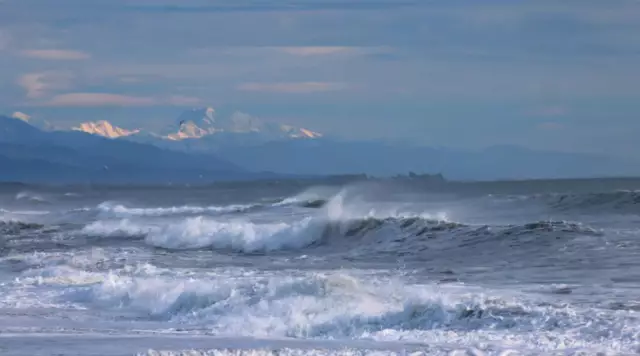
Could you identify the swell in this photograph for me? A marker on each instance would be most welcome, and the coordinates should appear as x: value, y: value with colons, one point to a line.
x: 623, y: 201
x: 121, y: 210
x: 391, y: 234
x: 333, y: 305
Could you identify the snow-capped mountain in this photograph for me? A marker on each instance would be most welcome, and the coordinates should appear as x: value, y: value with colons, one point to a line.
x: 203, y: 122
x: 197, y: 123
x: 104, y: 128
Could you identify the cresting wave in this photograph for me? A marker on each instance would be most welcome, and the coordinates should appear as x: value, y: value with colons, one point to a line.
x: 332, y: 306
x: 124, y: 211
x: 246, y: 236
x: 121, y: 210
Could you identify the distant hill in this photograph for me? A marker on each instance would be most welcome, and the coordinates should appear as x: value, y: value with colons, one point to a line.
x: 204, y: 123
x: 332, y: 156
x: 199, y: 144
x: 30, y: 154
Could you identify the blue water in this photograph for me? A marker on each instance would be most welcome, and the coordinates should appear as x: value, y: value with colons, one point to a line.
x: 481, y: 269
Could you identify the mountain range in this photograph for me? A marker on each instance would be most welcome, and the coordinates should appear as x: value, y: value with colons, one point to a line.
x: 30, y: 154
x: 200, y: 146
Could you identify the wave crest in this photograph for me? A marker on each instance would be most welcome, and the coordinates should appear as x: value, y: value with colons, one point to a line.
x: 120, y: 210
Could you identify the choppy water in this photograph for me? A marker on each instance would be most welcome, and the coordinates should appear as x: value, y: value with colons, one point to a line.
x: 288, y: 269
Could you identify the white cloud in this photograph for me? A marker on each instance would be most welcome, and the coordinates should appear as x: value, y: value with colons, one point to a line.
x: 38, y: 84
x: 292, y: 87
x: 316, y: 51
x: 180, y: 100
x: 5, y: 40
x: 551, y: 125
x: 55, y: 54
x: 99, y: 99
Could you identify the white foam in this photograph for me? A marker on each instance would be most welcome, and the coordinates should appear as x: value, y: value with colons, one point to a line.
x: 239, y: 235
x: 117, y: 228
x: 354, y: 306
x: 289, y: 352
x: 120, y: 210
x: 200, y: 232
x: 312, y: 194
x: 29, y: 196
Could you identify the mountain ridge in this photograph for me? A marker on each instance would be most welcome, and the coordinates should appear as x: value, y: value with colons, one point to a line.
x: 97, y: 158
x: 242, y: 143
x: 201, y: 122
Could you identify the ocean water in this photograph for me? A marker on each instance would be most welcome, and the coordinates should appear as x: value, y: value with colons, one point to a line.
x: 530, y: 268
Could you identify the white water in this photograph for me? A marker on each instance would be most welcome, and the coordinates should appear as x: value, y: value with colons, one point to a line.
x: 299, y: 281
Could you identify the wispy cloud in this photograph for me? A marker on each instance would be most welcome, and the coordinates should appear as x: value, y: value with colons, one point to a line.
x: 38, y: 84
x: 180, y: 100
x: 111, y: 99
x: 550, y: 126
x: 550, y: 111
x: 99, y: 99
x: 5, y: 39
x: 293, y: 87
x: 316, y: 51
x: 55, y: 54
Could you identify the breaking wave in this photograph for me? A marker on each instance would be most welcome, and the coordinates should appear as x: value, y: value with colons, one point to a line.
x: 250, y: 237
x: 335, y: 306
x: 120, y: 210
x: 31, y: 197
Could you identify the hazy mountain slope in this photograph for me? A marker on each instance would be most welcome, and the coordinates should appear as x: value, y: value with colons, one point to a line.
x: 95, y: 157
x: 203, y: 123
x: 326, y: 156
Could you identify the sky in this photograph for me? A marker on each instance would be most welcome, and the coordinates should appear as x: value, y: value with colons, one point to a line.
x: 557, y: 75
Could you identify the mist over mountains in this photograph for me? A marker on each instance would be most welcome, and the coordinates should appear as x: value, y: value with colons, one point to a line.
x: 200, y: 146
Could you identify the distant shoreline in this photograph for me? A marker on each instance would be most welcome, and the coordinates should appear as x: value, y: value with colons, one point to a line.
x: 419, y: 181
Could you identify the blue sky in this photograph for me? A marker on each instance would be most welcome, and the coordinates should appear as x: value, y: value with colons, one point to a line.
x: 545, y: 74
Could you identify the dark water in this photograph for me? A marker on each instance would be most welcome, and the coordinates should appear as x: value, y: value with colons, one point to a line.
x: 531, y: 268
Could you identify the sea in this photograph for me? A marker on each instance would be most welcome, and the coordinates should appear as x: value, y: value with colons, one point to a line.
x: 320, y: 268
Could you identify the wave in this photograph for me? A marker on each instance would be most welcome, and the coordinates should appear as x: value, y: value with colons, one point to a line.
x: 15, y: 227
x: 120, y: 210
x: 31, y: 197
x: 622, y: 201
x: 619, y: 201
x: 410, y: 234
x: 335, y: 306
x: 202, y: 232
x: 551, y: 226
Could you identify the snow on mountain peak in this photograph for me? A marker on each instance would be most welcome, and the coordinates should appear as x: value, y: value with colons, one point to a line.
x: 197, y: 123
x: 104, y: 128
x: 21, y: 116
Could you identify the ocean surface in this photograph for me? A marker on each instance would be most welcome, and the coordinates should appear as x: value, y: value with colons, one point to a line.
x: 291, y: 268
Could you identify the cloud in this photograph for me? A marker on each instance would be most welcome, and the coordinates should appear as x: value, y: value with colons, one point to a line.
x: 110, y: 99
x: 550, y: 126
x: 180, y: 100
x: 99, y: 99
x: 292, y: 87
x: 316, y: 51
x: 38, y: 84
x: 550, y: 111
x: 55, y: 54
x: 130, y: 79
x: 5, y: 40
